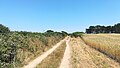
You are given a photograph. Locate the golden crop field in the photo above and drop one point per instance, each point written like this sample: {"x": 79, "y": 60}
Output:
{"x": 109, "y": 44}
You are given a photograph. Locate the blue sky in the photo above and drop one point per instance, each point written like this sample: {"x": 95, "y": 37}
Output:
{"x": 58, "y": 15}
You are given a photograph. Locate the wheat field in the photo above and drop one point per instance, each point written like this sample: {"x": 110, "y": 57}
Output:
{"x": 108, "y": 44}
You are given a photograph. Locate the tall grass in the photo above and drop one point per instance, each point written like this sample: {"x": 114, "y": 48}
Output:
{"x": 107, "y": 43}
{"x": 54, "y": 59}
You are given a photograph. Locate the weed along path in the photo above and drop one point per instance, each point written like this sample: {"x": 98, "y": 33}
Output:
{"x": 65, "y": 61}
{"x": 39, "y": 59}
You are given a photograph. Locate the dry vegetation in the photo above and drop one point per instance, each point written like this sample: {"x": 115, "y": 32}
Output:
{"x": 84, "y": 56}
{"x": 35, "y": 48}
{"x": 54, "y": 59}
{"x": 17, "y": 48}
{"x": 109, "y": 44}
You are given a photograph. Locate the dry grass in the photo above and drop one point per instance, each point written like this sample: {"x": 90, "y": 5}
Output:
{"x": 34, "y": 48}
{"x": 85, "y": 57}
{"x": 54, "y": 59}
{"x": 109, "y": 44}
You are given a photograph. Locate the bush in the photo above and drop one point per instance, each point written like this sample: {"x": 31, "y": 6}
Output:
{"x": 18, "y": 48}
{"x": 76, "y": 34}
{"x": 4, "y": 29}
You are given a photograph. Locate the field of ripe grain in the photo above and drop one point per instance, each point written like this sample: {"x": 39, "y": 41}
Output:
{"x": 83, "y": 56}
{"x": 108, "y": 44}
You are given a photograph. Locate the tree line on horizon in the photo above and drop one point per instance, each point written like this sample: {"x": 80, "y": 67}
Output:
{"x": 5, "y": 31}
{"x": 103, "y": 29}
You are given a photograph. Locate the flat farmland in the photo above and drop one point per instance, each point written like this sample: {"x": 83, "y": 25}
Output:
{"x": 108, "y": 44}
{"x": 83, "y": 56}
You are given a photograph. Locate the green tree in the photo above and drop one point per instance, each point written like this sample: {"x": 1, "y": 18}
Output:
{"x": 117, "y": 28}
{"x": 49, "y": 31}
{"x": 4, "y": 29}
{"x": 64, "y": 33}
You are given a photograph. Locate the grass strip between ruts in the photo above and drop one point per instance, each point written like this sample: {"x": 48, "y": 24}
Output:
{"x": 54, "y": 59}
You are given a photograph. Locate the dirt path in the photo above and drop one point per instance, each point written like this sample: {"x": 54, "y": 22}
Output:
{"x": 78, "y": 55}
{"x": 83, "y": 56}
{"x": 39, "y": 59}
{"x": 65, "y": 61}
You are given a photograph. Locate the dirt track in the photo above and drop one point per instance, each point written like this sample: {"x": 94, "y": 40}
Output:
{"x": 78, "y": 55}
{"x": 39, "y": 59}
{"x": 65, "y": 61}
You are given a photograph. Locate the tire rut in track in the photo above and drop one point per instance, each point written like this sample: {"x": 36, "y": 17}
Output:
{"x": 39, "y": 59}
{"x": 65, "y": 61}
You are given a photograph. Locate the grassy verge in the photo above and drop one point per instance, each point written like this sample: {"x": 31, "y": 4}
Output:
{"x": 18, "y": 48}
{"x": 83, "y": 56}
{"x": 35, "y": 48}
{"x": 54, "y": 59}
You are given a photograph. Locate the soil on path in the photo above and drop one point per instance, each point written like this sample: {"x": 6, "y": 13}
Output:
{"x": 39, "y": 59}
{"x": 65, "y": 61}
